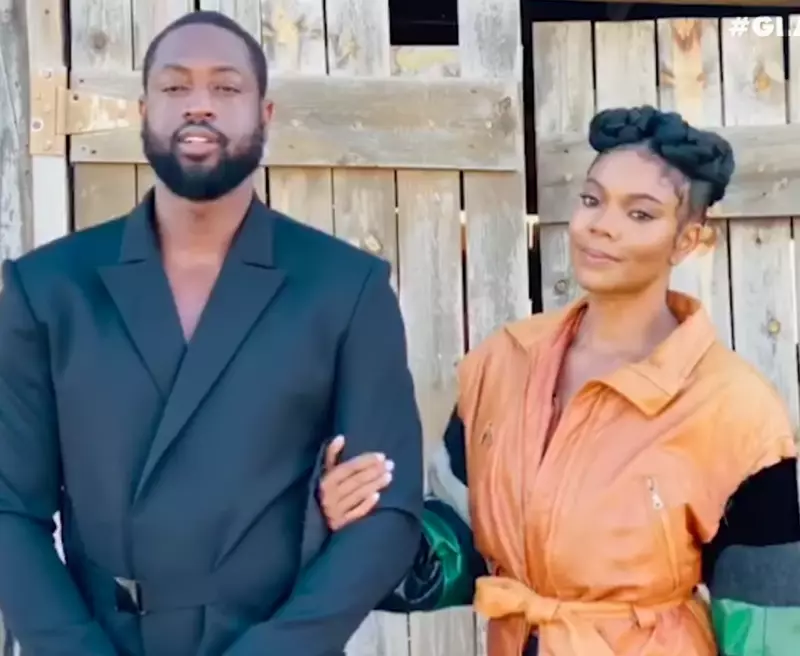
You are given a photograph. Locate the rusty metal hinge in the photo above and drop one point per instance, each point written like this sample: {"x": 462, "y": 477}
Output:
{"x": 58, "y": 111}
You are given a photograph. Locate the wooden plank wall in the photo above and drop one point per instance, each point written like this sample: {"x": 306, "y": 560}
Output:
{"x": 694, "y": 66}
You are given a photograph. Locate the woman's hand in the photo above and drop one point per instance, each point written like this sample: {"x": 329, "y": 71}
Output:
{"x": 350, "y": 490}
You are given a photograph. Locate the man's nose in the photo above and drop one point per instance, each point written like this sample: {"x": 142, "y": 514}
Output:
{"x": 199, "y": 108}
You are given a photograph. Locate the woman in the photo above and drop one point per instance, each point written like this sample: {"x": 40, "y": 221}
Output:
{"x": 616, "y": 454}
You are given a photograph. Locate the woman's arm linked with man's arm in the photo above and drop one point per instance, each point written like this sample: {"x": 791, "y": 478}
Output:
{"x": 447, "y": 564}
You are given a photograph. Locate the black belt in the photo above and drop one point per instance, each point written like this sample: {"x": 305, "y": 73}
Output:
{"x": 143, "y": 597}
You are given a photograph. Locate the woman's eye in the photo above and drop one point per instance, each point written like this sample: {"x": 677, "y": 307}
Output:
{"x": 638, "y": 215}
{"x": 589, "y": 201}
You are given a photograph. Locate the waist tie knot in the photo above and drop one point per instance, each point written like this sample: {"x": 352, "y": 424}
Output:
{"x": 559, "y": 620}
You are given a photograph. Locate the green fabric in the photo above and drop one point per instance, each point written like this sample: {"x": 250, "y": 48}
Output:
{"x": 744, "y": 629}
{"x": 456, "y": 578}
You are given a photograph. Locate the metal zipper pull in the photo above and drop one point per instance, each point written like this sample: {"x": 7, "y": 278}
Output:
{"x": 658, "y": 503}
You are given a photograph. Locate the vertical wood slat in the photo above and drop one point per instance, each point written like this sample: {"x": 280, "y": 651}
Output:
{"x": 293, "y": 36}
{"x": 50, "y": 217}
{"x": 16, "y": 189}
{"x": 630, "y": 47}
{"x": 364, "y": 199}
{"x": 690, "y": 83}
{"x": 761, "y": 288}
{"x": 564, "y": 101}
{"x": 430, "y": 267}
{"x": 365, "y": 214}
{"x": 102, "y": 37}
{"x": 245, "y": 12}
{"x": 430, "y": 295}
{"x": 490, "y": 46}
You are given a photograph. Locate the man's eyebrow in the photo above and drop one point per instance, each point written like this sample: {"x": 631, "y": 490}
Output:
{"x": 222, "y": 68}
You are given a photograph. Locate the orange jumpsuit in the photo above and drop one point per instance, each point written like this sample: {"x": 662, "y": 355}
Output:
{"x": 595, "y": 545}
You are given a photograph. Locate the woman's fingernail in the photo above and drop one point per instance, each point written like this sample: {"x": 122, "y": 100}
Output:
{"x": 381, "y": 456}
{"x": 376, "y": 496}
{"x": 387, "y": 478}
{"x": 389, "y": 465}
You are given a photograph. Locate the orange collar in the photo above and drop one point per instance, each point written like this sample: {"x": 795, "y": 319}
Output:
{"x": 653, "y": 382}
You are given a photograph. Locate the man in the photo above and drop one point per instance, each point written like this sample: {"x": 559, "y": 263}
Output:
{"x": 168, "y": 381}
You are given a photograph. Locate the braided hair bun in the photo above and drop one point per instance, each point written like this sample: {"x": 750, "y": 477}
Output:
{"x": 701, "y": 156}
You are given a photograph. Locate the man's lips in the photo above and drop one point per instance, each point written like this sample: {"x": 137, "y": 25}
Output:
{"x": 197, "y": 142}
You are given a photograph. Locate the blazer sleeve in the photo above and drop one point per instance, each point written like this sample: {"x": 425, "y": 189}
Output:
{"x": 374, "y": 406}
{"x": 39, "y": 601}
{"x": 447, "y": 563}
{"x": 751, "y": 567}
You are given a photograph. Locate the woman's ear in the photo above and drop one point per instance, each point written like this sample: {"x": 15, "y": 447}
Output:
{"x": 688, "y": 239}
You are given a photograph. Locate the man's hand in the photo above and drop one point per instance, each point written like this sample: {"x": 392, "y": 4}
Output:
{"x": 350, "y": 490}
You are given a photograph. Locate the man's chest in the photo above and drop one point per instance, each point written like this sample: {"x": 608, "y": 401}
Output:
{"x": 126, "y": 379}
{"x": 191, "y": 287}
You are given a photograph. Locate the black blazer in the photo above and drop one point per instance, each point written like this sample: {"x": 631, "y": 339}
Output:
{"x": 183, "y": 472}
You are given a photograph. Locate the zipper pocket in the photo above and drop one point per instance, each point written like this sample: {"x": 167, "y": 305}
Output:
{"x": 658, "y": 505}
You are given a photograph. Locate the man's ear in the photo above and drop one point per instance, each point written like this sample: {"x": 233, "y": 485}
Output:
{"x": 267, "y": 111}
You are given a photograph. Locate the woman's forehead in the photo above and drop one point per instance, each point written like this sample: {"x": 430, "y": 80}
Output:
{"x": 632, "y": 172}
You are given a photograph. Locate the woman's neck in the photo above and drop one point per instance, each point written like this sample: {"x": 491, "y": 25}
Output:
{"x": 626, "y": 326}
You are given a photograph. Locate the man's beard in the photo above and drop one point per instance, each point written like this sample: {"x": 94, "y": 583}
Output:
{"x": 197, "y": 182}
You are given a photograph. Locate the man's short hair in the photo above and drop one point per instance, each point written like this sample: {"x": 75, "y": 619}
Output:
{"x": 216, "y": 19}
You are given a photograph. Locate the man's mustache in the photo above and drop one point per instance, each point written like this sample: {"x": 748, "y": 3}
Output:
{"x": 223, "y": 140}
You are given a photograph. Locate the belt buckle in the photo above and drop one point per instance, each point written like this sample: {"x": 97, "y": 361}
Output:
{"x": 129, "y": 596}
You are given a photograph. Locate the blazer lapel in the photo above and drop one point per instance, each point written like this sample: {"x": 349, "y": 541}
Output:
{"x": 247, "y": 283}
{"x": 140, "y": 290}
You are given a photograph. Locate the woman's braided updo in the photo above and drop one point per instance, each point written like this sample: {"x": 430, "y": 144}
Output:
{"x": 704, "y": 158}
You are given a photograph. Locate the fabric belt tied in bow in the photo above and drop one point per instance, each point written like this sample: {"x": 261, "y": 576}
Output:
{"x": 497, "y": 597}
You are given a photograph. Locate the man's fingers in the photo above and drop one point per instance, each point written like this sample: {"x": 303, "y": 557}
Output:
{"x": 333, "y": 451}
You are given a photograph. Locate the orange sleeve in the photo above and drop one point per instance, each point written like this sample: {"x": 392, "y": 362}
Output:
{"x": 751, "y": 431}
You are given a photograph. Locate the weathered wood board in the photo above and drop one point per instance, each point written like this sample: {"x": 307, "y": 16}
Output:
{"x": 16, "y": 190}
{"x": 690, "y": 82}
{"x": 293, "y": 36}
{"x": 385, "y": 122}
{"x": 489, "y": 35}
{"x": 564, "y": 101}
{"x": 762, "y": 284}
{"x": 51, "y": 215}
